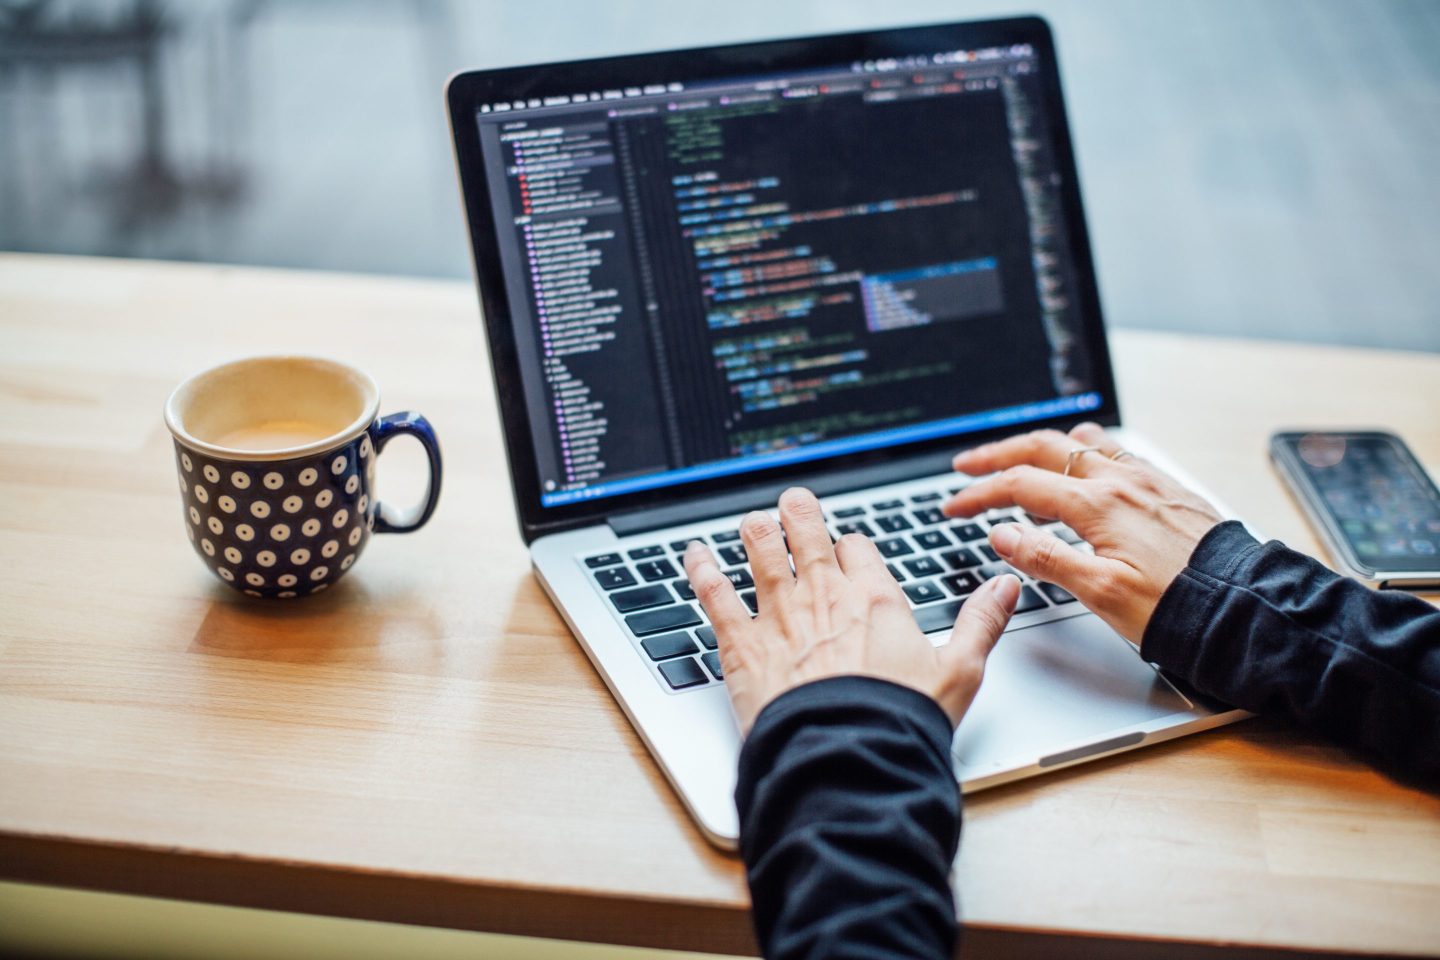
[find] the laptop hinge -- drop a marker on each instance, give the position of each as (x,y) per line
(760,496)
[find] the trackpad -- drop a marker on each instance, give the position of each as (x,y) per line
(1054,686)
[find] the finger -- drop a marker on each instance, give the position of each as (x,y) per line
(716,593)
(977,629)
(859,559)
(765,546)
(1040,448)
(1045,556)
(1094,435)
(1090,434)
(805,527)
(1037,491)
(983,617)
(1047,449)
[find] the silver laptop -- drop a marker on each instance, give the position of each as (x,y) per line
(710,274)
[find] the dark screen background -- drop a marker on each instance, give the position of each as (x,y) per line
(837,152)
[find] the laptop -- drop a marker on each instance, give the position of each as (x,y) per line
(710,274)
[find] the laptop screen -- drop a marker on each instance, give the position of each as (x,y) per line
(710,279)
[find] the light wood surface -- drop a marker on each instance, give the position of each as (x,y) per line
(427,743)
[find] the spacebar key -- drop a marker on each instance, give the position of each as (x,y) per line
(937,616)
(669,618)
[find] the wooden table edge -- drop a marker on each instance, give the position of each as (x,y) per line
(335,890)
(338,890)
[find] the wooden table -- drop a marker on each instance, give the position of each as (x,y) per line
(427,744)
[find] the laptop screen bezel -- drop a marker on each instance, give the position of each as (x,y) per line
(466,91)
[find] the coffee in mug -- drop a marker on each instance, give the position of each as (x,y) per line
(276,457)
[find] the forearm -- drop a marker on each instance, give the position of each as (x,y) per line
(849,821)
(1274,631)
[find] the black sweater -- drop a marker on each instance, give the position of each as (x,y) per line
(849,810)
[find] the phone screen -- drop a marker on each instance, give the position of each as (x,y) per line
(1380,498)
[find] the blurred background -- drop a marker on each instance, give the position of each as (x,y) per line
(1251,167)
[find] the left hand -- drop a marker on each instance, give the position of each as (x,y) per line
(840,612)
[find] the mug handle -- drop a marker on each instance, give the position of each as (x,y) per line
(389,519)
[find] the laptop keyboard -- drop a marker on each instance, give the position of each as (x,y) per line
(938,563)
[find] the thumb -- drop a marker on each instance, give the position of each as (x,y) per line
(982,619)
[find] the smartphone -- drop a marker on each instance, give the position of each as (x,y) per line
(1371,501)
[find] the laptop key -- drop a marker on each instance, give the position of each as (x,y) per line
(923,592)
(603,560)
(628,601)
(892,524)
(1029,600)
(725,536)
(925,497)
(961,584)
(1056,593)
(683,588)
(845,513)
(682,673)
(992,570)
(642,553)
(895,572)
(679,545)
(932,539)
(751,601)
(1065,533)
(712,663)
(933,617)
(733,554)
(890,549)
(614,578)
(988,552)
(887,505)
(668,645)
(962,559)
(653,570)
(659,621)
(740,578)
(929,515)
(967,532)
(706,636)
(924,567)
(857,526)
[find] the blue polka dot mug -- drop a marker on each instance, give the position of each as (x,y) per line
(277,470)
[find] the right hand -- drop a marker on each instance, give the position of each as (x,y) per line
(1142,524)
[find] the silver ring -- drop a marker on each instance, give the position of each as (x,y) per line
(1118,454)
(1070,460)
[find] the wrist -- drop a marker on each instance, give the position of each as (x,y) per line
(1182,612)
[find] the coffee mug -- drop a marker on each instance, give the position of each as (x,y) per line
(277,470)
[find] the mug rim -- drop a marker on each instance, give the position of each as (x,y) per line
(352,430)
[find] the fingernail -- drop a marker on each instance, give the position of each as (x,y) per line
(1005,538)
(1007,590)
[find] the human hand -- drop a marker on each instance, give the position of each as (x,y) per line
(1142,524)
(839,613)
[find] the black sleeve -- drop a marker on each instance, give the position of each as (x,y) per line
(1273,631)
(849,822)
